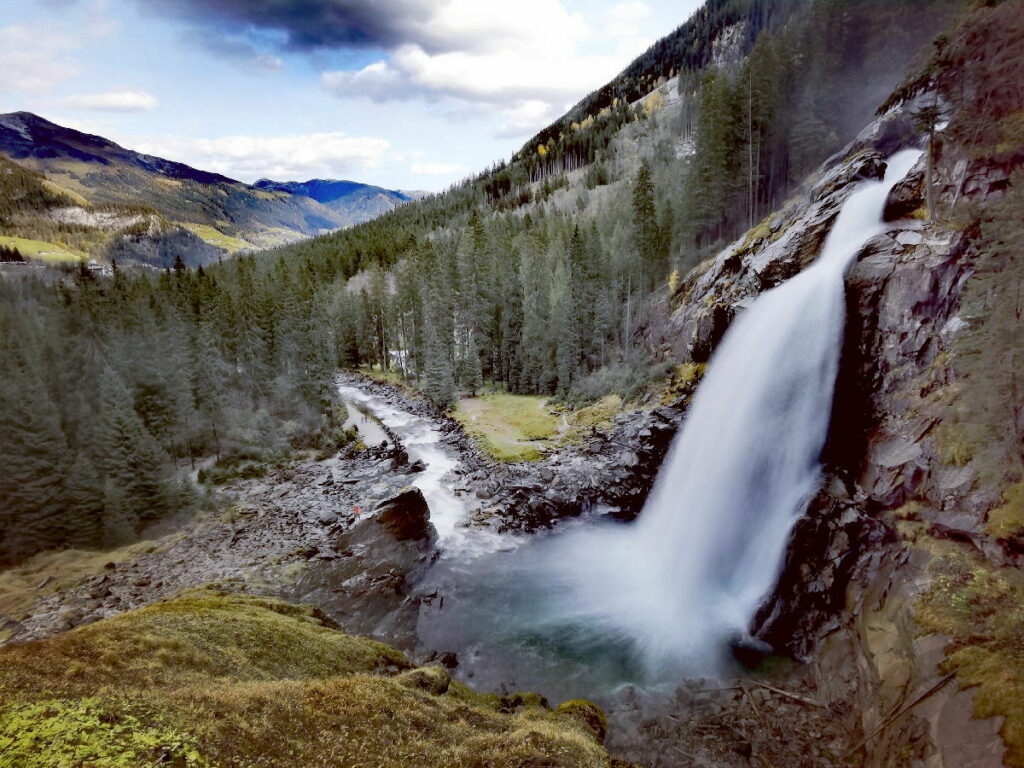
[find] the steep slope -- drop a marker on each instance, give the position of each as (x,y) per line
(902,587)
(598,212)
(95,171)
(353,201)
(213,679)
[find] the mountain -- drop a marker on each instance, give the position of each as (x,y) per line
(115,202)
(352,200)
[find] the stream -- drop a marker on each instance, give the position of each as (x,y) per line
(422,440)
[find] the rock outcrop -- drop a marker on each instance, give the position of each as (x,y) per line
(845,601)
(366,583)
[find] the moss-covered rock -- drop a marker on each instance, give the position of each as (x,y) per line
(215,679)
(587,713)
(981,610)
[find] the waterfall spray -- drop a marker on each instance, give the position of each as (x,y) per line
(709,543)
(657,599)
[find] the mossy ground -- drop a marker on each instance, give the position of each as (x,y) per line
(509,427)
(599,415)
(214,679)
(981,608)
(682,382)
(1007,520)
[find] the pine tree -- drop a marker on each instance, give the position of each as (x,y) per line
(84,504)
(438,383)
(32,453)
(472,371)
(645,224)
(129,457)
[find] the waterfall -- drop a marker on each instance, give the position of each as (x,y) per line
(708,546)
(594,605)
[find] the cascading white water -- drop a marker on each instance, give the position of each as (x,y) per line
(422,441)
(708,545)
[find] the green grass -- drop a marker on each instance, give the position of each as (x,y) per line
(38,249)
(215,679)
(217,238)
(509,427)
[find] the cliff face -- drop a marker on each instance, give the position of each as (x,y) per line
(897,501)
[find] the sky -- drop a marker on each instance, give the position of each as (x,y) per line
(406,94)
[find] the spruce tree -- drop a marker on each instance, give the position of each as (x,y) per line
(84,504)
(438,383)
(33,453)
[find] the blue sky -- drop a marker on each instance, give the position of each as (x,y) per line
(409,94)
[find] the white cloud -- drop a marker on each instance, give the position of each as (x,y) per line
(35,59)
(378,81)
(438,169)
(625,19)
(526,117)
(297,156)
(113,101)
(485,52)
(522,62)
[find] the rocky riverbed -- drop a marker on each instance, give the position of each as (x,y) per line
(269,533)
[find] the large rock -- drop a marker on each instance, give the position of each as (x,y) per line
(368,585)
(406,516)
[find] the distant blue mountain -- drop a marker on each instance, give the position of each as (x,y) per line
(353,201)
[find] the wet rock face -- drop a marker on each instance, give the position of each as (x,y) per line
(905,198)
(406,516)
(777,249)
(709,328)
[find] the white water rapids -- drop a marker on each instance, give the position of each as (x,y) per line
(657,598)
(422,441)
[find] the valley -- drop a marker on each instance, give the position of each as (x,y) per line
(85,196)
(690,436)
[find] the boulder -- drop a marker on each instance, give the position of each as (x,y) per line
(406,516)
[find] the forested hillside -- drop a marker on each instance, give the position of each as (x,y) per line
(111,389)
(112,203)
(535,275)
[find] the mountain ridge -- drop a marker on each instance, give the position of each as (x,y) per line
(191,206)
(355,201)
